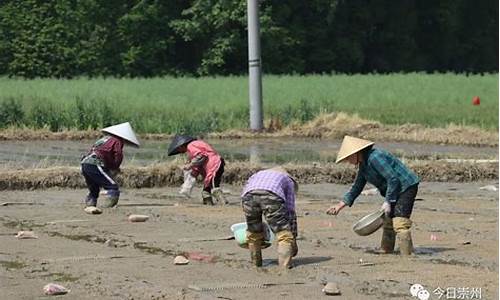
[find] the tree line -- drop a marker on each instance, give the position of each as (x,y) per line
(145,38)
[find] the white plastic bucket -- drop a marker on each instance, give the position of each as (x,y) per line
(240,234)
(187,186)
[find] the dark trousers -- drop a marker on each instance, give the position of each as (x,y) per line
(97,177)
(218,177)
(404,205)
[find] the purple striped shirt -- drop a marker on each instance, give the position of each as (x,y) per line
(276,182)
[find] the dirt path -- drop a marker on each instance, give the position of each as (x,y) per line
(72,248)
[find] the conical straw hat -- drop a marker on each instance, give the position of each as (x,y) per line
(351,145)
(280,169)
(123,130)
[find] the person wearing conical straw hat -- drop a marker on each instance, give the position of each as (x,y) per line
(271,193)
(103,161)
(395,182)
(204,161)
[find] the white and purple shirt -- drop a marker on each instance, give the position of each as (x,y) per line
(276,182)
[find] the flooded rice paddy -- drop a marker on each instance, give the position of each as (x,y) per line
(31,154)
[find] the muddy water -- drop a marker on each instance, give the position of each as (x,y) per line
(29,154)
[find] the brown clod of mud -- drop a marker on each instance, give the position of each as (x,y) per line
(170,174)
(331,125)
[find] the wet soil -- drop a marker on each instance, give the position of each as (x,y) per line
(106,257)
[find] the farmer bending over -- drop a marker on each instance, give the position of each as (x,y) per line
(102,163)
(271,193)
(204,161)
(395,182)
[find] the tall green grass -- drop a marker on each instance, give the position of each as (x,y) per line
(169,105)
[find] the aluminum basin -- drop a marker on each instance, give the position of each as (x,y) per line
(369,224)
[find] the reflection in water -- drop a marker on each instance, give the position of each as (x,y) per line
(26,154)
(254,154)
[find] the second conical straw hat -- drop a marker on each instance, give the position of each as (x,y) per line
(351,145)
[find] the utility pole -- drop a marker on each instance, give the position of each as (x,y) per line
(254,66)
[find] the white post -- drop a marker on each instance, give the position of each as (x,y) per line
(254,66)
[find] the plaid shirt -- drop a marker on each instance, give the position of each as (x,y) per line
(279,184)
(384,171)
(275,182)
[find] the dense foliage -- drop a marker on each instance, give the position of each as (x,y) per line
(144,38)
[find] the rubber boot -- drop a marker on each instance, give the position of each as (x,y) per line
(219,195)
(254,240)
(388,236)
(111,201)
(111,198)
(90,201)
(207,198)
(285,248)
(402,227)
(295,248)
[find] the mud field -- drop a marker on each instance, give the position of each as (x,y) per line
(107,257)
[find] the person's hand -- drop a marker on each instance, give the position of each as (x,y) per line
(187,167)
(335,209)
(386,207)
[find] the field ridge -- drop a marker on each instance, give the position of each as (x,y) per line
(170,174)
(326,125)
